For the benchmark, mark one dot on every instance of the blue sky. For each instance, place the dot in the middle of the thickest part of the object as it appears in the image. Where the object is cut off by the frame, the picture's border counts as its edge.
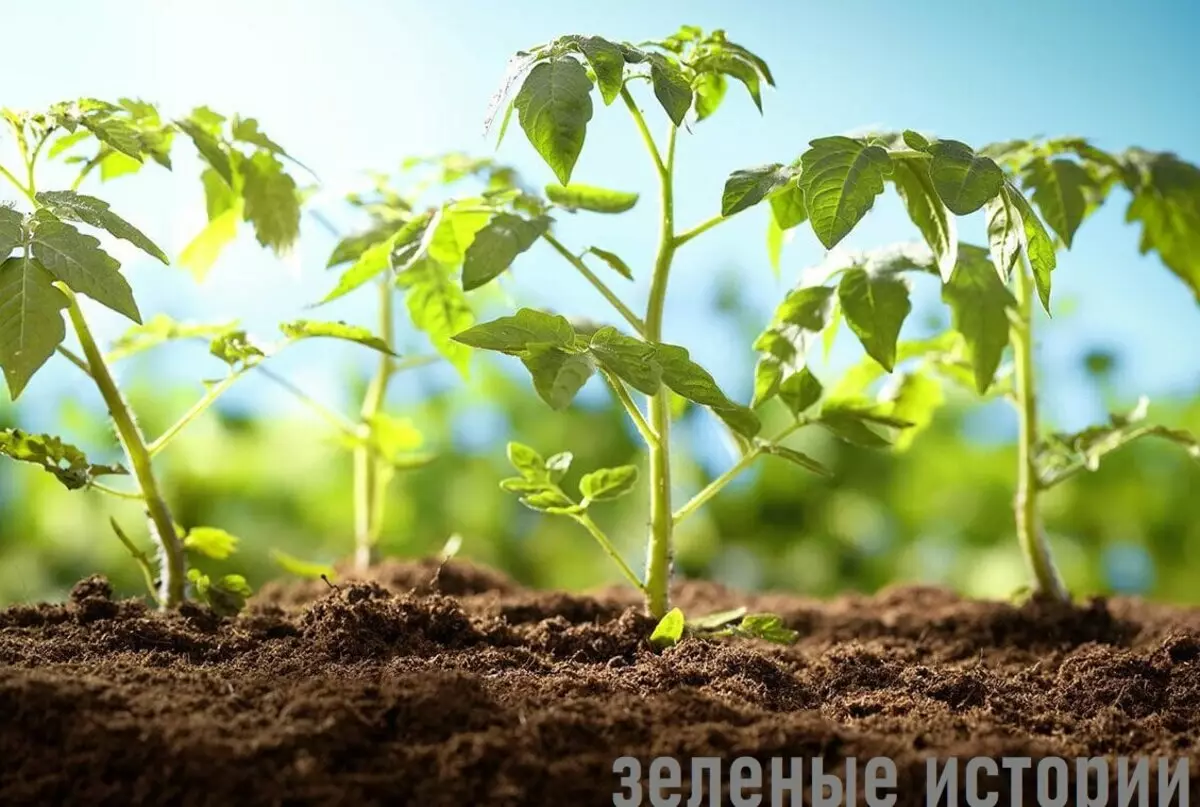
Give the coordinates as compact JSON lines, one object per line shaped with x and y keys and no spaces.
{"x":359,"y":85}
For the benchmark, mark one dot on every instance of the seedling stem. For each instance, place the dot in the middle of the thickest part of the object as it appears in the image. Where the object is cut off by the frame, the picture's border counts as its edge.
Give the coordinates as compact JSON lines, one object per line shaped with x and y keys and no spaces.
{"x":370,"y":477}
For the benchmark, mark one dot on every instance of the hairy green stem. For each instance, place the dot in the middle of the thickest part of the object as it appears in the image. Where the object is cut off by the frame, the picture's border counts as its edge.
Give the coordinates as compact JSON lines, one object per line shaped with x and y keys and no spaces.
{"x":600,"y":285}
{"x":74,"y":358}
{"x":1047,"y":581}
{"x":173,"y":566}
{"x":26,"y":192}
{"x":369,"y":481}
{"x":586,"y":521}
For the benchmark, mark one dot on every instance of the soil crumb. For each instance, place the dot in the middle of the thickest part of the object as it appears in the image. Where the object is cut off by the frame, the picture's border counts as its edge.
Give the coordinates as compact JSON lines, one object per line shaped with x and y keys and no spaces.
{"x":450,"y":684}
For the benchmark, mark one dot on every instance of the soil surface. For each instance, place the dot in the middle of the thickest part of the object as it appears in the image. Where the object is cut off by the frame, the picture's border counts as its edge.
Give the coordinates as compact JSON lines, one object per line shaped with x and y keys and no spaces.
{"x":469,"y":690}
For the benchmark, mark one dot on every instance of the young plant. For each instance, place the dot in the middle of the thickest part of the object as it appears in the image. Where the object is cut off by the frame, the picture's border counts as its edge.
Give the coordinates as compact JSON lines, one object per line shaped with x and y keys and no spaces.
{"x":990,"y":291}
{"x":413,"y":250}
{"x":49,"y":263}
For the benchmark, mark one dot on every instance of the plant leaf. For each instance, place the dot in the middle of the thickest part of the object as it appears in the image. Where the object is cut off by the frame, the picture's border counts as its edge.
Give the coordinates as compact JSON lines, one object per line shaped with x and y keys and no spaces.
{"x":31,"y":323}
{"x":710,"y":92}
{"x":438,"y":307}
{"x":840,"y":178}
{"x":767,"y":627}
{"x":516,"y":334}
{"x":783,"y":347}
{"x":209,"y":147}
{"x":693,"y":382}
{"x":979,"y":303}
{"x":730,"y":64}
{"x":1059,"y":188}
{"x":211,"y":542}
{"x":557,"y":375}
{"x":875,"y":306}
{"x":588,"y":197}
{"x":915,"y":399}
{"x":716,"y":620}
{"x":497,"y":245}
{"x":965,"y":181}
{"x":307,"y":329}
{"x":303,"y":568}
{"x":926,"y":210}
{"x":226,"y":596}
{"x":77,"y":260}
{"x":159,"y":329}
{"x":800,"y":390}
{"x":200,"y":255}
{"x":797,"y":458}
{"x":1036,"y":244}
{"x":669,"y":630}
{"x":607,"y":62}
{"x":607,"y":484}
{"x":1164,"y":202}
{"x":551,"y":500}
{"x":527,"y":461}
{"x":66,"y":462}
{"x":614,"y":261}
{"x":671,"y":88}
{"x":554,"y":106}
{"x":749,"y":186}
{"x":72,"y":206}
{"x":630,"y":359}
{"x":271,"y":202}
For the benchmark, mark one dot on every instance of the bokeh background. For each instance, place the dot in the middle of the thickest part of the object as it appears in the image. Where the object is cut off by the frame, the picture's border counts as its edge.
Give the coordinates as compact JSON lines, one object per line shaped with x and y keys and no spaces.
{"x":355,"y":87}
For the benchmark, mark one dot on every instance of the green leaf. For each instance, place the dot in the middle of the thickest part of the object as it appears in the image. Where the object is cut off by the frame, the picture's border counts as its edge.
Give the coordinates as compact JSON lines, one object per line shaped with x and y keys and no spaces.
{"x":456,"y":230}
{"x":352,"y":247}
{"x":587,"y":197}
{"x":373,"y":261}
{"x":926,"y":210}
{"x":527,"y":461}
{"x":12,"y":230}
{"x":749,"y":186}
{"x":558,"y":464}
{"x":840,"y":178}
{"x":73,"y":206}
{"x":915,"y":399}
{"x":964,"y":180}
{"x":787,"y":206}
{"x":516,"y":334}
{"x":632,"y":360}
{"x":690,"y":380}
{"x":209,"y":147}
{"x":271,"y":202}
{"x":437,"y":306}
{"x":203,"y":251}
{"x":226,"y":596}
{"x":306,"y":329}
{"x":116,"y":134}
{"x":1060,"y":189}
{"x":553,"y":501}
{"x":235,"y":348}
{"x":719,"y":619}
{"x":619,"y":266}
{"x":767,"y":627}
{"x":671,"y":88}
{"x":303,"y":568}
{"x":915,"y":140}
{"x":800,"y":390}
{"x":557,"y":375}
{"x":77,"y":260}
{"x":607,"y":62}
{"x":554,"y":106}
{"x":852,"y":423}
{"x":1036,"y":244}
{"x":797,"y":458}
{"x":31,"y":323}
{"x":497,"y":245}
{"x":66,"y":462}
{"x":731,"y":64}
{"x":607,"y":484}
{"x":246,"y":130}
{"x":783,"y":347}
{"x":669,"y":630}
{"x":875,"y":306}
{"x":979,"y":303}
{"x":1004,"y":229}
{"x":210,"y":541}
{"x":710,"y":92}
{"x":159,"y":329}
{"x":1164,"y":202}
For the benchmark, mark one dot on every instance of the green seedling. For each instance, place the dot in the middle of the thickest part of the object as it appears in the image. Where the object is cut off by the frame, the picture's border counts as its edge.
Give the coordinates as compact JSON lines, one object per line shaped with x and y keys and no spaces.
{"x":413,"y":251}
{"x":990,"y":290}
{"x":49,"y":263}
{"x":673,"y":627}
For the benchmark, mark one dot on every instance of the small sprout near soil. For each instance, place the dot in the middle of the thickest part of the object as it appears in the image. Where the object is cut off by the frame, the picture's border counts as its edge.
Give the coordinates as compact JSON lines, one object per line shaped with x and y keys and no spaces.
{"x":671,"y":629}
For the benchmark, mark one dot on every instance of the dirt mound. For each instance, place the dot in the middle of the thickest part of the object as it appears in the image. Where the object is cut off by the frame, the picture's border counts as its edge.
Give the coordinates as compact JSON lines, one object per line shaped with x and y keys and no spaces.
{"x":472,"y":690}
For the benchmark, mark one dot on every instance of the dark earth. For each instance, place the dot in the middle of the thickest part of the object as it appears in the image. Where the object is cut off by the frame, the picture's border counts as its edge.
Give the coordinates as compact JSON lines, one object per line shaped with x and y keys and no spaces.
{"x":459,"y":687}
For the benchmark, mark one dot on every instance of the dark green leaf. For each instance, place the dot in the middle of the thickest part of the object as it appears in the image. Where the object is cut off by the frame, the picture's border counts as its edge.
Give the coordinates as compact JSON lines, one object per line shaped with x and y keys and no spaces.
{"x":847,"y":424}
{"x":306,"y":329}
{"x":557,"y":375}
{"x":554,"y":106}
{"x":1165,"y":202}
{"x":734,"y":66}
{"x":783,"y":347}
{"x":1059,"y":190}
{"x":77,"y":260}
{"x":632,"y":360}
{"x":671,"y":88}
{"x":210,"y":148}
{"x":669,"y":630}
{"x":964,"y":180}
{"x":840,"y":178}
{"x":271,"y":202}
{"x":12,"y":230}
{"x":875,"y":306}
{"x":497,"y":245}
{"x":31,"y":323}
{"x":246,"y":130}
{"x":979,"y":303}
{"x":607,"y":484}
{"x":66,"y":462}
{"x":767,"y":627}
{"x":587,"y":197}
{"x":516,"y":334}
{"x":115,"y":133}
{"x":618,"y":265}
{"x":72,"y":206}
{"x":925,"y":208}
{"x":797,"y":458}
{"x":693,"y":382}
{"x":800,"y":390}
{"x":749,"y":186}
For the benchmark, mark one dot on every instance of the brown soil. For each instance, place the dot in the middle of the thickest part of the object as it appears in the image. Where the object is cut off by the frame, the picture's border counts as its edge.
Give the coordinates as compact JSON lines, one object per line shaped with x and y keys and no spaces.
{"x":472,"y":691}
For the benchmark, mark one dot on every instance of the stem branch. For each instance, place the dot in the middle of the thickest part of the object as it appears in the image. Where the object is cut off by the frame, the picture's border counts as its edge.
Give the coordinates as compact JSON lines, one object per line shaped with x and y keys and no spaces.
{"x":631,"y":408}
{"x":369,"y":480}
{"x":586,"y":521}
{"x":600,"y":285}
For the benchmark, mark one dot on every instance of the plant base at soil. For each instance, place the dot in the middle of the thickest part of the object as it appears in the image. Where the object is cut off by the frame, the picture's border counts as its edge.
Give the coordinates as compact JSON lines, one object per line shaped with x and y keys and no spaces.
{"x":472,"y":690}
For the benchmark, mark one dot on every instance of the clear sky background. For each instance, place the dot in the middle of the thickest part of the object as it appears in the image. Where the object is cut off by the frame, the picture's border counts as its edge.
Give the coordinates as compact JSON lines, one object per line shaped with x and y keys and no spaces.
{"x":358,"y":85}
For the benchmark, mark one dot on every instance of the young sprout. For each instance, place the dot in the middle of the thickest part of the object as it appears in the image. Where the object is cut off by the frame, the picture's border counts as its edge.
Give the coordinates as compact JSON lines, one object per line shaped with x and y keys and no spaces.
{"x":49,"y":263}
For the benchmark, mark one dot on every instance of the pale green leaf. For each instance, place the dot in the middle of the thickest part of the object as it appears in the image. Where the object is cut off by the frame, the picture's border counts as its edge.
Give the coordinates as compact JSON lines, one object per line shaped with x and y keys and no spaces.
{"x":31,"y":322}
{"x":915,"y":398}
{"x":303,"y":568}
{"x":437,"y":306}
{"x":72,"y":206}
{"x":554,"y":106}
{"x":211,"y":542}
{"x":979,"y":303}
{"x":607,"y":484}
{"x":588,"y":197}
{"x":840,"y":178}
{"x":710,"y":90}
{"x":203,"y":250}
{"x":306,"y":329}
{"x":669,"y":630}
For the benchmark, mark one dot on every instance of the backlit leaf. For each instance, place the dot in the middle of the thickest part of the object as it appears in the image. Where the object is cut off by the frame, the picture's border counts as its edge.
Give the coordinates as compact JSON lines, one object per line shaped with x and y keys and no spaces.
{"x":72,"y":206}
{"x":271,"y":203}
{"x":306,"y":329}
{"x":671,"y":88}
{"x":587,"y":197}
{"x":630,"y":359}
{"x":66,"y":462}
{"x":607,"y":484}
{"x":669,"y":630}
{"x":554,"y":106}
{"x":710,"y":91}
{"x":557,"y":375}
{"x":1165,"y":202}
{"x":875,"y":306}
{"x":927,"y":211}
{"x":614,"y":261}
{"x":203,"y":250}
{"x":303,"y":568}
{"x":31,"y":322}
{"x":211,"y":542}
{"x":797,"y":458}
{"x":77,"y":260}
{"x":749,"y":186}
{"x":209,"y":146}
{"x":515,"y":334}
{"x":437,"y":306}
{"x":979,"y":303}
{"x":607,"y":62}
{"x":497,"y":245}
{"x":840,"y":178}
{"x":1059,"y":192}
{"x":965,"y":180}
{"x":915,"y":398}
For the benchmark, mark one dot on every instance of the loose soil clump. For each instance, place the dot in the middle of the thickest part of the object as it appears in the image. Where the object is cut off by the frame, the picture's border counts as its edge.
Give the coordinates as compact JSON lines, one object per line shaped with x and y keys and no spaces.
{"x":455,"y":686}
